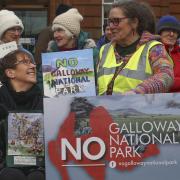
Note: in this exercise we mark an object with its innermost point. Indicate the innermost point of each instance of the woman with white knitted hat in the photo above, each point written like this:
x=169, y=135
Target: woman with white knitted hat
x=68, y=35
x=11, y=28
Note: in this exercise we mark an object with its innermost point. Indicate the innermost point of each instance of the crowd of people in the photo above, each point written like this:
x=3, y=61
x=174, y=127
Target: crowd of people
x=135, y=55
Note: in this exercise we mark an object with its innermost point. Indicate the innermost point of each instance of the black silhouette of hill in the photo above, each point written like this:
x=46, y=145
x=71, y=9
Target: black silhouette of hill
x=173, y=104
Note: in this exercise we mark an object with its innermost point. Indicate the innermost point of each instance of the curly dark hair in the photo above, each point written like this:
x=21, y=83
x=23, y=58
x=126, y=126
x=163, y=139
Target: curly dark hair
x=139, y=10
x=8, y=61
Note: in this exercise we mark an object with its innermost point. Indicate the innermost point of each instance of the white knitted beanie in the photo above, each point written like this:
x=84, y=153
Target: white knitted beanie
x=69, y=21
x=8, y=20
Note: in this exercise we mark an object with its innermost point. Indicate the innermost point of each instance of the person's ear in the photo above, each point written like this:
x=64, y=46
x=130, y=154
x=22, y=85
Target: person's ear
x=10, y=73
x=134, y=23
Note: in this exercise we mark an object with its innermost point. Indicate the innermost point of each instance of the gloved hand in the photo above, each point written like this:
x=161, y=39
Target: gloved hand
x=3, y=112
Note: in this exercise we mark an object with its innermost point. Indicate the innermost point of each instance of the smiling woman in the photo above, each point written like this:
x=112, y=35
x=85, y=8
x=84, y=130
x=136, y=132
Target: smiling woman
x=134, y=61
x=19, y=80
x=68, y=35
x=19, y=92
x=11, y=28
x=168, y=27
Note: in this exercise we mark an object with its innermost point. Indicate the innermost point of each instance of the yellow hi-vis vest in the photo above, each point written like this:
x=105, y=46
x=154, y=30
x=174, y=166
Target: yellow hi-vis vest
x=135, y=71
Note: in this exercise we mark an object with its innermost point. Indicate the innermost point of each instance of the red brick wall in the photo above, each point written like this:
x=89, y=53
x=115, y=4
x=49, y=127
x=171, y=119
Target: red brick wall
x=164, y=7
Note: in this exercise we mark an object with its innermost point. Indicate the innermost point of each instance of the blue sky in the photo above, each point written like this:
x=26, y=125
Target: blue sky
x=85, y=55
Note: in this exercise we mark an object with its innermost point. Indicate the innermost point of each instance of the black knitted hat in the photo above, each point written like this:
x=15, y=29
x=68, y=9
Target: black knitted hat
x=62, y=8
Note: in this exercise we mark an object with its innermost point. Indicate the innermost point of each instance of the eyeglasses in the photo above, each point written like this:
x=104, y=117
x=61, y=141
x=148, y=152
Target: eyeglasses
x=115, y=21
x=13, y=30
x=26, y=62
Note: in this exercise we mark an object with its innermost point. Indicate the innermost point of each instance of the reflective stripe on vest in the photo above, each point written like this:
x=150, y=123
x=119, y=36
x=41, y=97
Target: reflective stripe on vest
x=138, y=74
x=135, y=74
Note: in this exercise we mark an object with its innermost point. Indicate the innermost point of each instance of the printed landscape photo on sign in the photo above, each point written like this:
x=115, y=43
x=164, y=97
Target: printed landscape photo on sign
x=113, y=137
x=25, y=139
x=68, y=73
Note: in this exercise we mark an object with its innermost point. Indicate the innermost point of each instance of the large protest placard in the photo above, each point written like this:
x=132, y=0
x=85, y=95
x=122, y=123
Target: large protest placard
x=113, y=137
x=68, y=73
x=25, y=141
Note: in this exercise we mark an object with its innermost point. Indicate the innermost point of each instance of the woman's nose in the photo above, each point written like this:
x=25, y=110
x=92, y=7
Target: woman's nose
x=33, y=64
x=17, y=33
x=171, y=33
x=56, y=34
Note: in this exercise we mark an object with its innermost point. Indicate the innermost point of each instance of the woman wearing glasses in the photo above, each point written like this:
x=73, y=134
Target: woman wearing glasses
x=11, y=28
x=19, y=92
x=133, y=62
x=168, y=28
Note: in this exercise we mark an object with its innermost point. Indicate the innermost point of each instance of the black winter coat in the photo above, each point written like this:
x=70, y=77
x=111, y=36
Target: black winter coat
x=16, y=101
x=21, y=101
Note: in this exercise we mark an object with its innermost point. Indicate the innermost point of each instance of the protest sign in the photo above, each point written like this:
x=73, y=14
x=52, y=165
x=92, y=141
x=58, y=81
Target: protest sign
x=113, y=137
x=68, y=73
x=25, y=141
x=7, y=48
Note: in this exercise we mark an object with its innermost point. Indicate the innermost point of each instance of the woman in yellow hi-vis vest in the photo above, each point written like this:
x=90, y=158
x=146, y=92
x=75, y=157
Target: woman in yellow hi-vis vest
x=134, y=62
